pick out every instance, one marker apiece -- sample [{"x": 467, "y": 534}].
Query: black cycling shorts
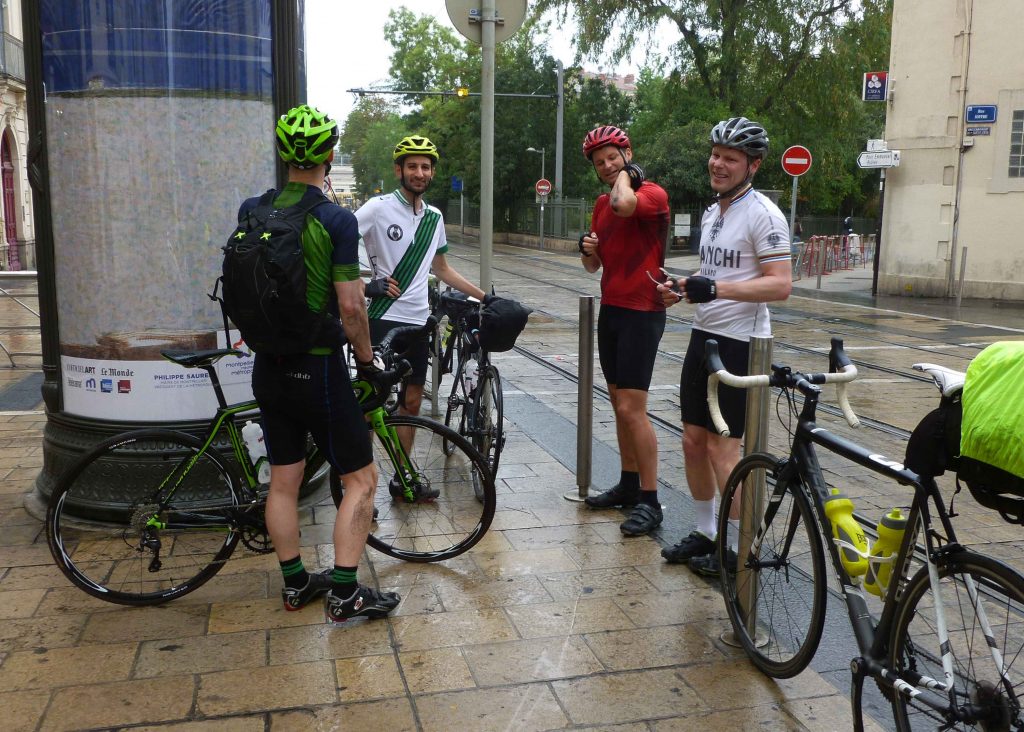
[
  {"x": 693, "y": 383},
  {"x": 304, "y": 394},
  {"x": 416, "y": 354},
  {"x": 627, "y": 345}
]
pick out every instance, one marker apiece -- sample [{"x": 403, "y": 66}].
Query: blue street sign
[
  {"x": 981, "y": 113},
  {"x": 456, "y": 184}
]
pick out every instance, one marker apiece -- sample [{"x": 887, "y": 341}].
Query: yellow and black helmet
[{"x": 415, "y": 145}]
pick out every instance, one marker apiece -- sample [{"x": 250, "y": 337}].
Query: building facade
[
  {"x": 17, "y": 243},
  {"x": 956, "y": 113}
]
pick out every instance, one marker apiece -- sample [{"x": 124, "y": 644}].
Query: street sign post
[
  {"x": 795, "y": 161},
  {"x": 880, "y": 159}
]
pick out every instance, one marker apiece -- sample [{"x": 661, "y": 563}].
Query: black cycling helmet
[
  {"x": 740, "y": 133},
  {"x": 306, "y": 137}
]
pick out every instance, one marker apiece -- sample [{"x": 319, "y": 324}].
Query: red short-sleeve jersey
[{"x": 630, "y": 247}]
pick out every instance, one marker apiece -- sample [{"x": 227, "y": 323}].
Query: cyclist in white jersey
[
  {"x": 744, "y": 264},
  {"x": 405, "y": 240}
]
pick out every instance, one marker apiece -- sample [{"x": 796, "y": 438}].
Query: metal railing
[
  {"x": 18, "y": 255},
  {"x": 9, "y": 340},
  {"x": 12, "y": 58}
]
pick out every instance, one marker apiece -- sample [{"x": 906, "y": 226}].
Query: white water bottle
[{"x": 252, "y": 433}]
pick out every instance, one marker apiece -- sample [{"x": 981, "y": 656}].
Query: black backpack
[{"x": 264, "y": 281}]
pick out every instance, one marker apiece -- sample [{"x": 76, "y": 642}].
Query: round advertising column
[{"x": 159, "y": 121}]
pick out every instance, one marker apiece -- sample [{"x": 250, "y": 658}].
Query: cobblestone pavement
[{"x": 555, "y": 621}]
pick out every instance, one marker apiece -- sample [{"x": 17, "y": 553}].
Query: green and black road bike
[{"x": 149, "y": 515}]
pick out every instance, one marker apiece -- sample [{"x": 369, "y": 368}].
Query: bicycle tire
[
  {"x": 458, "y": 406},
  {"x": 440, "y": 529},
  {"x": 789, "y": 596},
  {"x": 102, "y": 544},
  {"x": 488, "y": 431},
  {"x": 914, "y": 645}
]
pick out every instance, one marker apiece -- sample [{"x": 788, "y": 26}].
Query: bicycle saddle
[{"x": 949, "y": 381}]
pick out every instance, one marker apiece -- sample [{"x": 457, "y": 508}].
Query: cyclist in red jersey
[{"x": 627, "y": 239}]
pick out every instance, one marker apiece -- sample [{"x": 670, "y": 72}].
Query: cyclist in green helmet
[
  {"x": 405, "y": 240},
  {"x": 310, "y": 393}
]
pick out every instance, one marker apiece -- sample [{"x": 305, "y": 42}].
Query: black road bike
[{"x": 946, "y": 649}]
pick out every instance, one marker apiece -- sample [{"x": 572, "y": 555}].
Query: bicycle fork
[{"x": 405, "y": 470}]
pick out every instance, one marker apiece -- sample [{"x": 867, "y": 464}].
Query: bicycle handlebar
[
  {"x": 841, "y": 372},
  {"x": 405, "y": 335}
]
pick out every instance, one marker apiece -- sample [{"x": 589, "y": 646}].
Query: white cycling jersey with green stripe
[{"x": 401, "y": 243}]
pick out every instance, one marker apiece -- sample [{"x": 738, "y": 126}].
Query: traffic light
[{"x": 462, "y": 92}]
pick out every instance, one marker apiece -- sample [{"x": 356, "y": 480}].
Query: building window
[{"x": 1017, "y": 144}]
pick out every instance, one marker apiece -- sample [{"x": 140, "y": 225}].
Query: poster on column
[{"x": 153, "y": 390}]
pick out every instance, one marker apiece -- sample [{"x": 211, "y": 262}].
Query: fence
[
  {"x": 18, "y": 255},
  {"x": 826, "y": 254}
]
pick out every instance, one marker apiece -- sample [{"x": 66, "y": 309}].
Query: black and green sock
[
  {"x": 343, "y": 582},
  {"x": 295, "y": 575}
]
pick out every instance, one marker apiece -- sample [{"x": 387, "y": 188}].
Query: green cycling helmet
[
  {"x": 306, "y": 136},
  {"x": 415, "y": 145}
]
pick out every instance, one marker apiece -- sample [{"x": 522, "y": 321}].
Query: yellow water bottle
[
  {"x": 839, "y": 510},
  {"x": 890, "y": 536}
]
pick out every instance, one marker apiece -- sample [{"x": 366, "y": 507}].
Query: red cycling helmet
[{"x": 604, "y": 135}]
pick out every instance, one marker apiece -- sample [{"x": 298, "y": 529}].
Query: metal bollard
[
  {"x": 821, "y": 262},
  {"x": 755, "y": 439},
  {"x": 435, "y": 374},
  {"x": 584, "y": 401}
]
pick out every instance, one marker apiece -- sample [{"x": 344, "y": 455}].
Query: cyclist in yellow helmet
[{"x": 405, "y": 240}]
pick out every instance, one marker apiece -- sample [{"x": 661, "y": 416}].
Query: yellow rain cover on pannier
[{"x": 993, "y": 400}]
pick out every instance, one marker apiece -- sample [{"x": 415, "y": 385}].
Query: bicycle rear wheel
[
  {"x": 984, "y": 640},
  {"x": 440, "y": 529},
  {"x": 781, "y": 577},
  {"x": 488, "y": 427},
  {"x": 134, "y": 523}
]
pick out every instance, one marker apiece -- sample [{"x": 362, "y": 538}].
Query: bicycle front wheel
[
  {"x": 488, "y": 426},
  {"x": 143, "y": 517},
  {"x": 439, "y": 529},
  {"x": 982, "y": 603},
  {"x": 776, "y": 601}
]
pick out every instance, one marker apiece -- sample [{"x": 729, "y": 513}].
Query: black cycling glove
[
  {"x": 580, "y": 245},
  {"x": 488, "y": 299},
  {"x": 700, "y": 289},
  {"x": 636, "y": 175},
  {"x": 376, "y": 288},
  {"x": 371, "y": 370}
]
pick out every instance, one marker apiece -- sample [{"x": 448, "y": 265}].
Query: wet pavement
[{"x": 554, "y": 621}]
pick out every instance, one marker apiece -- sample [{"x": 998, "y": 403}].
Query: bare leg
[
  {"x": 636, "y": 436},
  {"x": 282, "y": 512},
  {"x": 355, "y": 514},
  {"x": 627, "y": 455}
]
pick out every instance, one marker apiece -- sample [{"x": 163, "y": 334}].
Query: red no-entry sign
[
  {"x": 796, "y": 160},
  {"x": 543, "y": 187}
]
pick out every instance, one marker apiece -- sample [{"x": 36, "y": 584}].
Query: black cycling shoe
[
  {"x": 365, "y": 602},
  {"x": 614, "y": 496},
  {"x": 694, "y": 545},
  {"x": 644, "y": 519},
  {"x": 421, "y": 493},
  {"x": 298, "y": 598},
  {"x": 708, "y": 565}
]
